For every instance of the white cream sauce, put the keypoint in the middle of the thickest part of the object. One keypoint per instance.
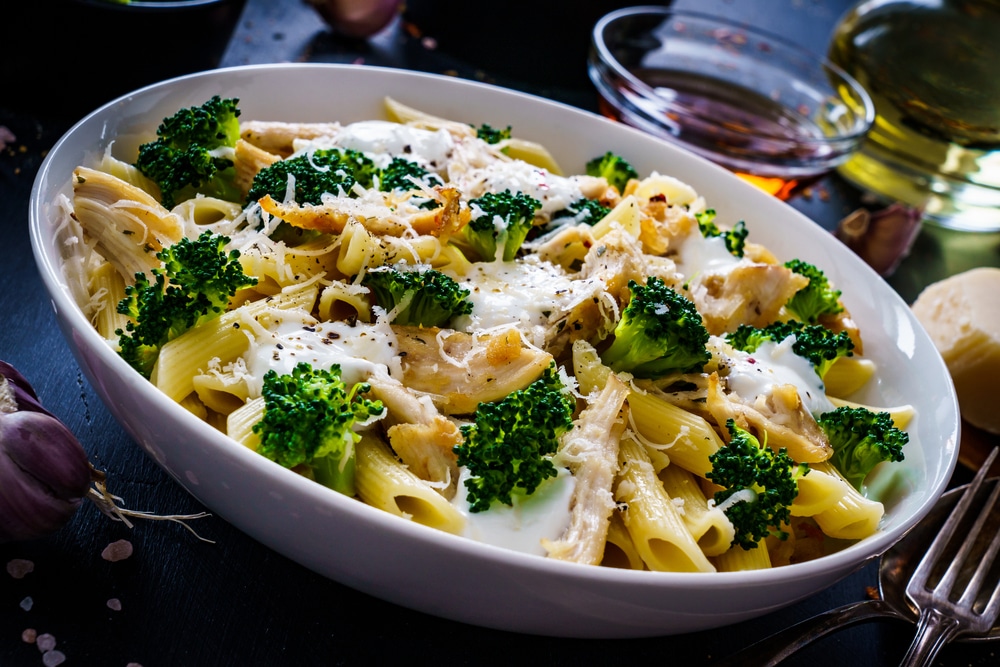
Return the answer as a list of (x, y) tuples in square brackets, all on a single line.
[(704, 256), (522, 526), (292, 337), (755, 373), (525, 294), (382, 140)]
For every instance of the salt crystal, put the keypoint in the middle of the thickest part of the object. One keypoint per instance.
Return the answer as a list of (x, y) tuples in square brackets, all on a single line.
[(53, 658), (26, 603), (46, 642), (117, 551), (115, 604), (29, 635), (133, 664), (19, 567)]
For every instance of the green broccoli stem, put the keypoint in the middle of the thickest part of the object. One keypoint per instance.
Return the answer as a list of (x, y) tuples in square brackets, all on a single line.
[(337, 472)]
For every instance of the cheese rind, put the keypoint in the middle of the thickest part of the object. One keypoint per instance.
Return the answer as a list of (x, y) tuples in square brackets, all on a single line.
[(962, 316)]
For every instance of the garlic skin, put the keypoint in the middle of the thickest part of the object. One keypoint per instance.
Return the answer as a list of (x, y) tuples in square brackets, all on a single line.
[(44, 471), (44, 475)]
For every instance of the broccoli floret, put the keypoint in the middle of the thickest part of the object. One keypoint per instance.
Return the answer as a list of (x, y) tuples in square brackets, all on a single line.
[(425, 298), (735, 238), (193, 152), (195, 284), (861, 439), (589, 211), (660, 332), (821, 346), (614, 168), (492, 135), (500, 220), (507, 448), (817, 298), (308, 419), (323, 171), (763, 481), (399, 175)]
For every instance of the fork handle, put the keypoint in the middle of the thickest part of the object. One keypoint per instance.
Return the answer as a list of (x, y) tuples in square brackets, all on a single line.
[(934, 630), (779, 646)]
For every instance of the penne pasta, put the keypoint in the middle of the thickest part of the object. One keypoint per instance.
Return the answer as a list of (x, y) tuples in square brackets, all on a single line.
[(708, 525), (687, 439), (739, 560), (619, 550), (853, 516), (384, 482), (651, 517)]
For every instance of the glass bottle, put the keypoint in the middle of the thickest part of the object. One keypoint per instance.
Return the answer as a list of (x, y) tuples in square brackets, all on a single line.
[(931, 68)]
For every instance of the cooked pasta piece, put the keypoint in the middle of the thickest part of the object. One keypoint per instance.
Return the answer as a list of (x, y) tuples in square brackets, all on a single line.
[(651, 517), (240, 423), (619, 550), (853, 516), (384, 482), (847, 375), (686, 438), (708, 525), (738, 559)]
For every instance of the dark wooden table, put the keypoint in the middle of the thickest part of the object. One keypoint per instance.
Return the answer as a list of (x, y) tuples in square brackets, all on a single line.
[(181, 601)]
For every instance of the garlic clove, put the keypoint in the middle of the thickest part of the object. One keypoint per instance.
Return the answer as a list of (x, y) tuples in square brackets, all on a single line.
[(44, 475)]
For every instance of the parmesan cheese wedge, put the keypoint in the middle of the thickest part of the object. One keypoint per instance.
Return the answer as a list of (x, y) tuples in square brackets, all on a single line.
[(962, 316)]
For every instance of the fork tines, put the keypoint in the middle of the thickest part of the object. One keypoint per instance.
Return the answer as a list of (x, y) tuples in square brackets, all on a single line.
[(958, 567)]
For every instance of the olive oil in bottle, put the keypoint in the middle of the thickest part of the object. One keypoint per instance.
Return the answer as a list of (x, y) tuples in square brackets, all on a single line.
[(931, 67)]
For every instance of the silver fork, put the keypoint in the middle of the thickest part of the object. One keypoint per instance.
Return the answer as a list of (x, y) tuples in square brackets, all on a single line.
[(942, 617)]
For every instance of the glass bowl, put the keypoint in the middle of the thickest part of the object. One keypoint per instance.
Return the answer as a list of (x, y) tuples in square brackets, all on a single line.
[(766, 109)]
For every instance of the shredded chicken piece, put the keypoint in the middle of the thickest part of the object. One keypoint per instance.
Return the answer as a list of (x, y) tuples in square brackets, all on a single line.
[(445, 220), (279, 137), (590, 449), (467, 369), (843, 321), (382, 218), (663, 223), (780, 414), (422, 438), (567, 247), (750, 293), (127, 223), (612, 261)]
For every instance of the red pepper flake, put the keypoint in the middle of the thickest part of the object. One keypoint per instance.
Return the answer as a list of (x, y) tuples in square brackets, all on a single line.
[(29, 635), (19, 568), (117, 551)]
